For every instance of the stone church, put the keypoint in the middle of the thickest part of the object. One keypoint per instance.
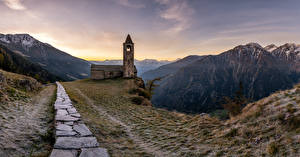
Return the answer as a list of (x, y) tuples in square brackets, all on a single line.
[(128, 70)]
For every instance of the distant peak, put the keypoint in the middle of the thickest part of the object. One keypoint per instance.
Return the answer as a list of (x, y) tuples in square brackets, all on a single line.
[(18, 35), (270, 47), (24, 39), (290, 45), (252, 44)]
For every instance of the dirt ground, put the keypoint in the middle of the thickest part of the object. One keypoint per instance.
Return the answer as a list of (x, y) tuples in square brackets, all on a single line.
[(26, 127)]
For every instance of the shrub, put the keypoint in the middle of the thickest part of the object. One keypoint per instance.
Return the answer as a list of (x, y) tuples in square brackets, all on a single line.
[(293, 122), (234, 106), (220, 114), (272, 148), (247, 133), (144, 93), (281, 117), (220, 153), (233, 132), (146, 103), (138, 100), (141, 92), (290, 108), (132, 91)]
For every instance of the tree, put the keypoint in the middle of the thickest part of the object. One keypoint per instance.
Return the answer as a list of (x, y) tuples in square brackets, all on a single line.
[(234, 106), (1, 60), (150, 85)]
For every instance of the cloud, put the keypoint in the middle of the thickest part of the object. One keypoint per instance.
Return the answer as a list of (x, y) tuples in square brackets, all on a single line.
[(177, 11), (127, 3), (14, 4)]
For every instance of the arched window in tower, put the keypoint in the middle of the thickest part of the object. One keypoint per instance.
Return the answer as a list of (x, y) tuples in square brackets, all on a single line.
[(128, 48)]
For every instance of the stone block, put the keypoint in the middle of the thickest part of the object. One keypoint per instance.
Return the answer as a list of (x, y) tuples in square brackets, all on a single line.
[(64, 127), (65, 133), (75, 142), (63, 153), (82, 129), (66, 118), (94, 152)]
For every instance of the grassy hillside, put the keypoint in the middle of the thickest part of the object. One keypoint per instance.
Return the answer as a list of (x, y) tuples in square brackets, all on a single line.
[(16, 87), (26, 116), (268, 127)]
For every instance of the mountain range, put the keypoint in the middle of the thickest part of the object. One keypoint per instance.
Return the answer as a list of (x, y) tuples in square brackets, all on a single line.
[(16, 63), (55, 61), (202, 82), (169, 69)]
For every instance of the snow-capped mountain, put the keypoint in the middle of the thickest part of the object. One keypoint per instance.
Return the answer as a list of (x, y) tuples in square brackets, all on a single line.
[(25, 40), (55, 61), (289, 52), (271, 47), (201, 85)]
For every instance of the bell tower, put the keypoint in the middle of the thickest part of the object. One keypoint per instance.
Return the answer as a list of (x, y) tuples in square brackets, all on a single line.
[(128, 58)]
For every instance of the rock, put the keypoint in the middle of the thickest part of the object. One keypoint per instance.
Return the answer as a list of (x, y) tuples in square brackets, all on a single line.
[(139, 82), (75, 142), (28, 85), (63, 127), (204, 114), (65, 133), (72, 110), (57, 107), (77, 115), (82, 130), (63, 153), (65, 118), (94, 152), (69, 123), (62, 112), (2, 79)]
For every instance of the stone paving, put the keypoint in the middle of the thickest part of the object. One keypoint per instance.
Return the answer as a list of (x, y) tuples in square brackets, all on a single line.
[(73, 137)]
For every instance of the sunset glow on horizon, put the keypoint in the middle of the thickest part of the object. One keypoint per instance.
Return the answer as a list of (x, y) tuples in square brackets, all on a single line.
[(160, 29)]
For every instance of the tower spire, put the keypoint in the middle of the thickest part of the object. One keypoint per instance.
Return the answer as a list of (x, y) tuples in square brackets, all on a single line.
[(128, 58), (128, 39)]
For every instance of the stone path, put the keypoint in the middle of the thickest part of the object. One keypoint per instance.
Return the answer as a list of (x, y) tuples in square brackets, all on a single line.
[(73, 138)]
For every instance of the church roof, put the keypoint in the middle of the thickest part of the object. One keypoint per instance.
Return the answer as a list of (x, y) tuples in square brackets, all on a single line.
[(128, 39)]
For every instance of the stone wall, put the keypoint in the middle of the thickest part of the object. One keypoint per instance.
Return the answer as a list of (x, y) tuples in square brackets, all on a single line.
[(99, 72), (73, 137)]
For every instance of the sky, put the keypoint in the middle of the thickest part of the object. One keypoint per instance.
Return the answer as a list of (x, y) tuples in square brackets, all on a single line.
[(160, 29)]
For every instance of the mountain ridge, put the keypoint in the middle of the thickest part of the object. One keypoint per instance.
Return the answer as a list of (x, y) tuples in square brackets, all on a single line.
[(50, 58), (201, 85), (14, 62)]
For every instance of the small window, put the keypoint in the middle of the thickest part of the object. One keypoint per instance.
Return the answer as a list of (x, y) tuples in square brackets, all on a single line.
[(128, 48)]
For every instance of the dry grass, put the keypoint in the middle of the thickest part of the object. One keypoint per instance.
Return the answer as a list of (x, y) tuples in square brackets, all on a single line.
[(16, 87), (177, 134)]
